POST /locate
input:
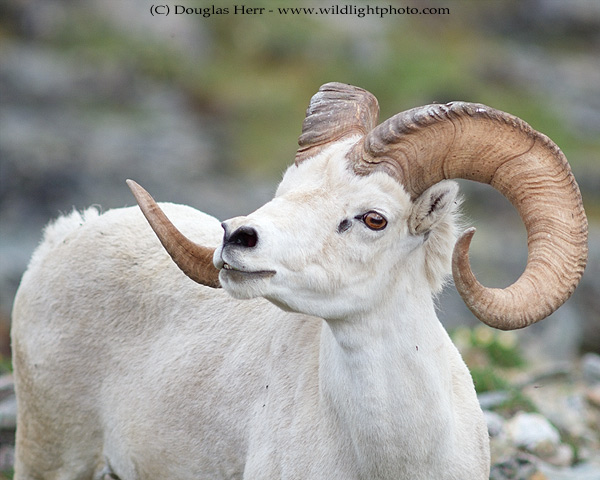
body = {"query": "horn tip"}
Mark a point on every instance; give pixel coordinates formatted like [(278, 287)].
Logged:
[(142, 197), (467, 235), (461, 269), (132, 184)]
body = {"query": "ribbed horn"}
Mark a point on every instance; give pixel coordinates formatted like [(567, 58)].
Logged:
[(425, 145), (194, 260), (337, 111)]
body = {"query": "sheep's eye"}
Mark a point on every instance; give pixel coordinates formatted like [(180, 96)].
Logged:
[(374, 221)]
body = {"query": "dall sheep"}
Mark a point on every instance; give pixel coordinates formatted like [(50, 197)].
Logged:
[(322, 356)]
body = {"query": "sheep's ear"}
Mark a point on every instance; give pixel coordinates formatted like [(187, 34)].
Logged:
[(431, 207)]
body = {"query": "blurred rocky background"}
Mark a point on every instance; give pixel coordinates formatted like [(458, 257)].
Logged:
[(207, 110)]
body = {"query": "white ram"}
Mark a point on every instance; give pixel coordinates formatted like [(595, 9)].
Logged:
[(329, 361)]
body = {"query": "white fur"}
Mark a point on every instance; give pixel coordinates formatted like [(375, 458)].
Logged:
[(125, 365)]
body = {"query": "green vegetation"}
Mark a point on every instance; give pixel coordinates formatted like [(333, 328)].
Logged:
[(7, 475), (485, 347), (493, 357), (5, 365)]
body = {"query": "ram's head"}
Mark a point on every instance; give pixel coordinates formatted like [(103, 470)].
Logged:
[(367, 206)]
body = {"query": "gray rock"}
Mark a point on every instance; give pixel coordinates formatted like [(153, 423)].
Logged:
[(584, 471), (590, 366), (534, 433), (7, 386), (8, 413), (562, 404), (518, 467), (495, 423), (490, 400)]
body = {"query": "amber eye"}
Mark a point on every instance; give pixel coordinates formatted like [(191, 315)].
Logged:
[(374, 221)]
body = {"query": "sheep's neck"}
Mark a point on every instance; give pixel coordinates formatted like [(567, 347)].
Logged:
[(386, 380)]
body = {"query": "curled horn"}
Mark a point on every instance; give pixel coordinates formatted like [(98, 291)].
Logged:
[(193, 259), (425, 145), (337, 111)]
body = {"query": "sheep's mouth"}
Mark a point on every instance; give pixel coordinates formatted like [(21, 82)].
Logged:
[(243, 274)]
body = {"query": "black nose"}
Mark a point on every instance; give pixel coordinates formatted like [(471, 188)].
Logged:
[(243, 236)]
